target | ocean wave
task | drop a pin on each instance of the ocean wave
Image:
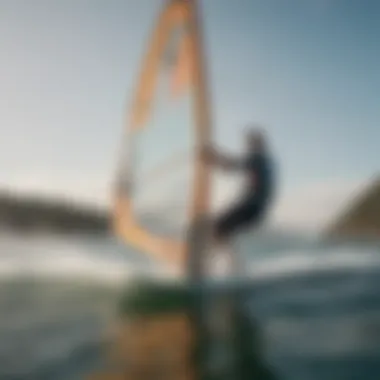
(354, 334)
(301, 262)
(104, 261)
(52, 258)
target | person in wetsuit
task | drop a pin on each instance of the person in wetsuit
(252, 206)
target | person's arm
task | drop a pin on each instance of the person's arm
(222, 160)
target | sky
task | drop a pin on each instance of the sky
(307, 70)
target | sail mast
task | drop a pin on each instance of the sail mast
(199, 230)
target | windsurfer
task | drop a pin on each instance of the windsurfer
(252, 205)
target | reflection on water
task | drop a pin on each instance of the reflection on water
(50, 329)
(320, 309)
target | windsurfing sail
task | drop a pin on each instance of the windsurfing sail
(163, 187)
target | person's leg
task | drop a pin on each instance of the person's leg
(238, 216)
(226, 226)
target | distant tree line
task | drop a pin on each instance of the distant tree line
(19, 212)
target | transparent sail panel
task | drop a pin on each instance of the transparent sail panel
(163, 152)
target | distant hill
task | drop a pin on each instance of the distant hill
(36, 213)
(362, 218)
(30, 213)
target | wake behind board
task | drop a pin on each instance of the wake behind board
(162, 200)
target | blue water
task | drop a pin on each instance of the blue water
(318, 306)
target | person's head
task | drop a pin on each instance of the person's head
(255, 140)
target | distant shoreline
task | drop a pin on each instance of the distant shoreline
(33, 213)
(361, 219)
(36, 213)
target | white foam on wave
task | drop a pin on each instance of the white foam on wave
(43, 257)
(298, 262)
(56, 258)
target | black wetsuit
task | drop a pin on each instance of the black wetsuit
(251, 207)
